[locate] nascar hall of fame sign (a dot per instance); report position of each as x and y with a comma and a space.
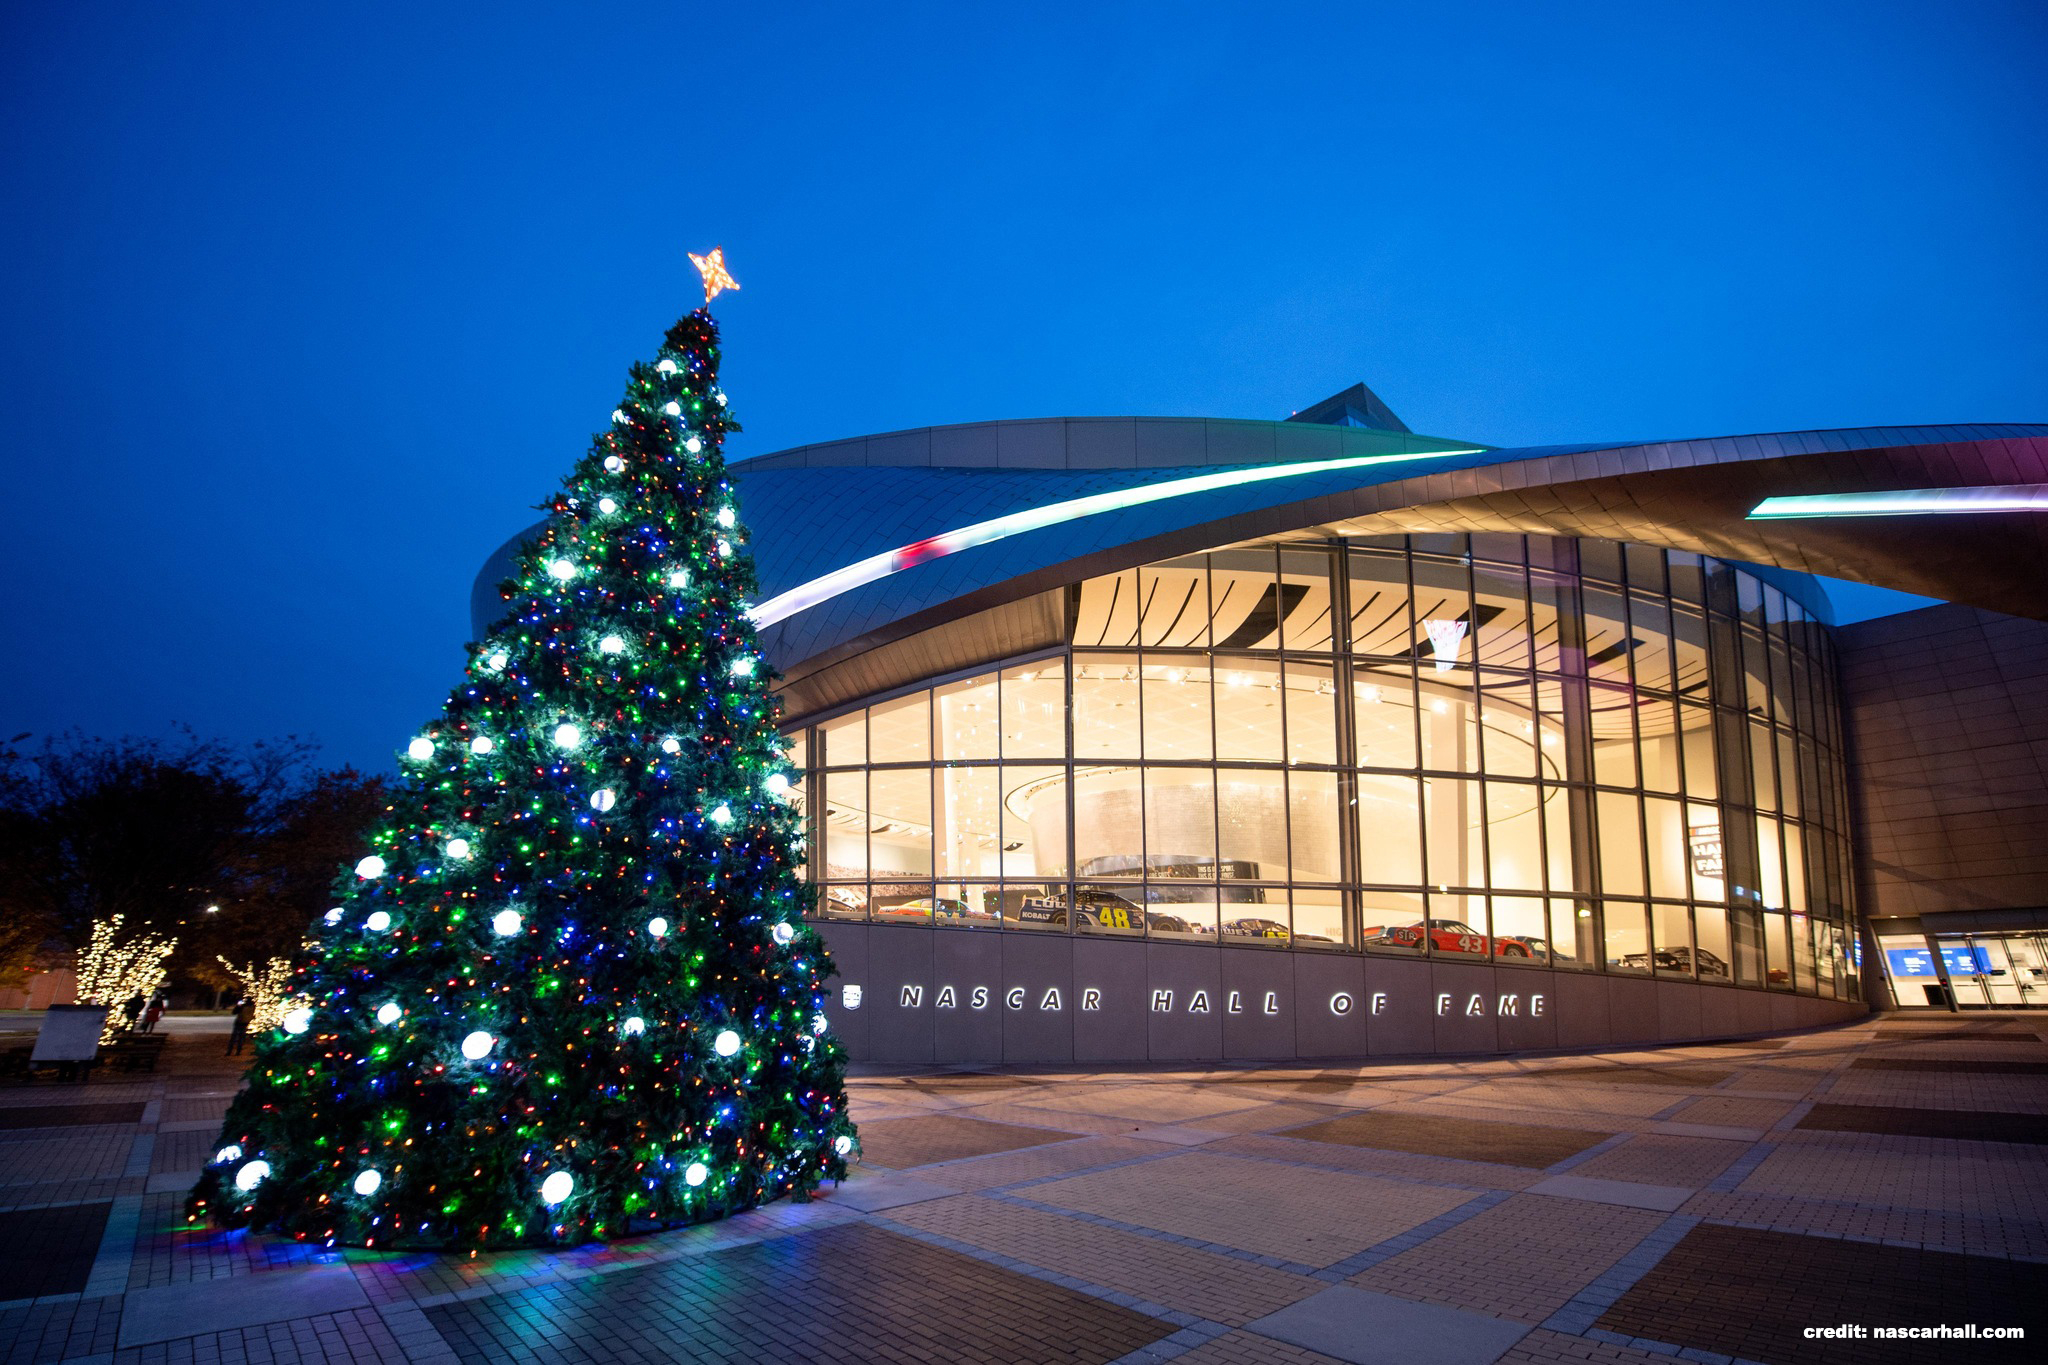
950, 996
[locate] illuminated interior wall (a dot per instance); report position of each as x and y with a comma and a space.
1567, 754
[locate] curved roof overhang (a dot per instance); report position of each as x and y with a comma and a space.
1690, 495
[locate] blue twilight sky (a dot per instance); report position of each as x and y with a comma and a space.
307, 305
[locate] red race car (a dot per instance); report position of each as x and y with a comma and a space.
1448, 936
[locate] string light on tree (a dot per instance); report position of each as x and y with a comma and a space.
629, 1044
114, 970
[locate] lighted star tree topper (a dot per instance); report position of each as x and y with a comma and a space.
568, 992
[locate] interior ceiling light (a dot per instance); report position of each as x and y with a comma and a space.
875, 567
1906, 502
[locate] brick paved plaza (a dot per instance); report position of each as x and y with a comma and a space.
1709, 1200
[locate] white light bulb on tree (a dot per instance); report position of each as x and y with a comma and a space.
743, 667
557, 1187
657, 926
619, 415
367, 1182
499, 658
478, 1045
671, 745
298, 1021
567, 736
482, 744
665, 366
783, 934
614, 465
634, 1025
842, 1144
420, 750
693, 445
607, 505
231, 1152
505, 923
727, 518
603, 799
695, 1174
672, 408
459, 849
378, 921
726, 1043
679, 579
611, 644
725, 549
722, 815
370, 868
252, 1175
389, 1012
818, 1024
777, 784
562, 570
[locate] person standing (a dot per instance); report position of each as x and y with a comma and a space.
154, 1012
131, 1012
238, 1033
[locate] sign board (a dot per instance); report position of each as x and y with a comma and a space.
1707, 859
70, 1033
1910, 962
1964, 960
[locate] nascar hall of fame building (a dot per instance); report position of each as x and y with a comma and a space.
1136, 738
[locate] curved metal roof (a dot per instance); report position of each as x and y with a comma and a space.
959, 519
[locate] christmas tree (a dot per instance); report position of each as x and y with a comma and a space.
569, 993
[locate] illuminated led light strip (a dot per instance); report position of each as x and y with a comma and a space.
807, 595
1905, 502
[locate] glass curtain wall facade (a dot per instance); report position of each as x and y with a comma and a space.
1573, 755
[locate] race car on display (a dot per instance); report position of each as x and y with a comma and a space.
1450, 936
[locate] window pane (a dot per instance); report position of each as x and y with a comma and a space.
1384, 716
1035, 711
1174, 600
1305, 600
1245, 599
1689, 654
1546, 592
1380, 623
1777, 951
900, 843
1671, 940
1313, 820
1318, 917
1453, 832
1450, 739
1649, 654
1664, 826
1107, 614
1389, 830
1118, 911
1109, 821
1770, 872
1176, 708
1572, 940
1180, 823
1766, 790
967, 719
1710, 923
796, 749
845, 740
1557, 841
1500, 615
1628, 938
969, 823
1701, 783
1795, 868
1614, 735
1252, 815
1393, 922
1621, 866
1507, 714
845, 826
900, 731
1311, 713
1248, 710
1519, 934
968, 905
1513, 839
1034, 822
1657, 732
1256, 914
1106, 706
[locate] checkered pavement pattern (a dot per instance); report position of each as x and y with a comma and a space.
1707, 1203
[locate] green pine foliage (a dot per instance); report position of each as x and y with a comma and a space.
577, 947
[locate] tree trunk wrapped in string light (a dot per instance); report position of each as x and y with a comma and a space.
569, 992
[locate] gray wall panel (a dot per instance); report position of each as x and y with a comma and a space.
1525, 1009
848, 944
1632, 1009
1319, 1029
1403, 1023
1249, 978
900, 960
1116, 1029
1462, 1004
1188, 980
967, 1025
1582, 1014
1040, 963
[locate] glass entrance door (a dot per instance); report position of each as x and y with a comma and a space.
1996, 971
